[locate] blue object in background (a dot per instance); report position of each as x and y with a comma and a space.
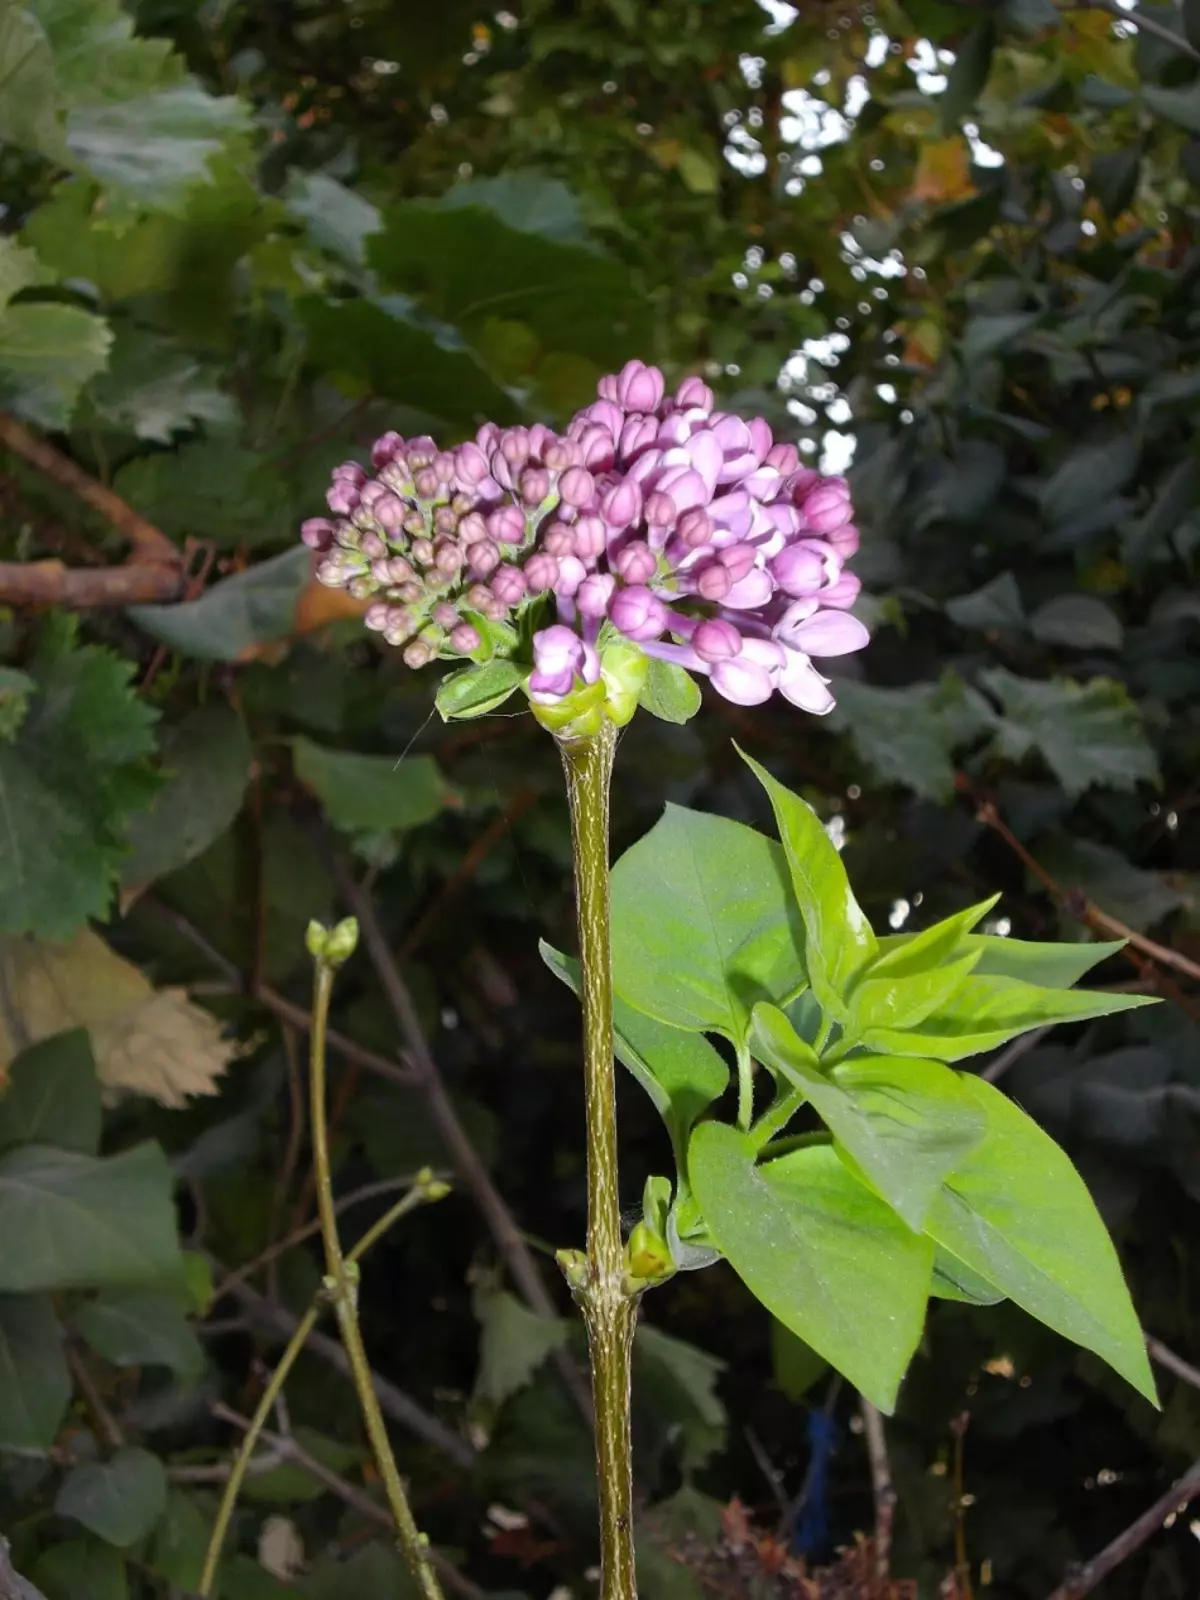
810, 1533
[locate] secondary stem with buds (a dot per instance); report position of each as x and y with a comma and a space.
599, 1280
341, 1285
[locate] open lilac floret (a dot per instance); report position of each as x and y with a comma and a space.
685, 529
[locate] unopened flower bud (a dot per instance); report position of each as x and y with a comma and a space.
639, 387
591, 538
622, 504
422, 552
418, 654
509, 585
465, 638
535, 486
447, 557
332, 946
576, 487
506, 526
541, 571
317, 533
470, 464
445, 615
694, 393
385, 448
636, 563
559, 539
472, 528
716, 640
483, 558
638, 613
594, 593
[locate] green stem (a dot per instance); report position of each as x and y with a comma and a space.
341, 1285
777, 1116
241, 1464
609, 1310
745, 1069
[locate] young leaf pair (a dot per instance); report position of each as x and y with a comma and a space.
909, 1178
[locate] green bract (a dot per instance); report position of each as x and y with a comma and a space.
915, 1179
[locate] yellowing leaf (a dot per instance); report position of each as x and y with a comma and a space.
145, 1041
943, 171
924, 343
320, 605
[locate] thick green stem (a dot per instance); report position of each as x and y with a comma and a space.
422, 1191
341, 1284
599, 1283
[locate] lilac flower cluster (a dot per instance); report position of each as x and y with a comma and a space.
686, 529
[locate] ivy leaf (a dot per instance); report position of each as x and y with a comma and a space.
839, 942
338, 219
826, 1257
904, 1124
702, 924
19, 267
986, 1012
35, 1386
139, 1328
28, 99
52, 1095
366, 793
86, 1222
69, 780
670, 693
1086, 733
214, 484
908, 736
678, 1069
119, 1500
680, 1381
155, 390
235, 616
1018, 1214
48, 351
81, 1569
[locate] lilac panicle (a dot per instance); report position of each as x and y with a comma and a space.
687, 530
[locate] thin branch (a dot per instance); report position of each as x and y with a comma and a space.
464, 1158
1008, 1057
1085, 1578
882, 1487
107, 1425
1167, 1358
284, 1447
398, 1405
1136, 19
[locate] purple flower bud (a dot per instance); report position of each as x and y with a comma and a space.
447, 556
843, 593
349, 472
827, 506
409, 592
317, 533
636, 563
380, 573
390, 512
694, 394
370, 492
576, 487
559, 539
661, 510
418, 654
426, 483
716, 640
509, 585
743, 682
738, 560
472, 528
621, 505
385, 448
800, 568
479, 597
638, 613
464, 638
639, 387
541, 571
445, 615
540, 439
444, 466
422, 552
376, 617
686, 486
608, 413
571, 573
341, 497
761, 438
803, 685
514, 447
591, 538
506, 526
559, 454
483, 558
488, 437
695, 528
558, 653
638, 433
706, 455
597, 447
594, 593
399, 570
470, 464
785, 458
535, 486
750, 592
607, 387
844, 540
713, 582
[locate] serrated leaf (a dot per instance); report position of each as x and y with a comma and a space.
216, 484
68, 782
514, 1342
678, 1069
475, 691
365, 793
206, 758
19, 267
984, 1013
48, 351
118, 1500
155, 1042
670, 693
702, 924
154, 390
903, 1124
51, 1095
138, 1328
236, 616
839, 941
29, 115
338, 219
908, 736
831, 1261
86, 1222
1087, 733
35, 1385
1019, 1214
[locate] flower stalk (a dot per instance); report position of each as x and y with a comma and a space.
599, 1278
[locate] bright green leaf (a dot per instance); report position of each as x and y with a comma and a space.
86, 1222
477, 690
895, 1001
118, 1500
822, 1253
909, 954
839, 942
954, 1280
1019, 1214
702, 925
1054, 966
53, 1095
670, 693
796, 1366
35, 1386
371, 792
48, 351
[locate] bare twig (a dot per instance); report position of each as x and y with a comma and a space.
1085, 1578
1008, 1057
398, 1405
464, 1158
882, 1487
284, 1447
107, 1425
154, 571
1167, 1358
